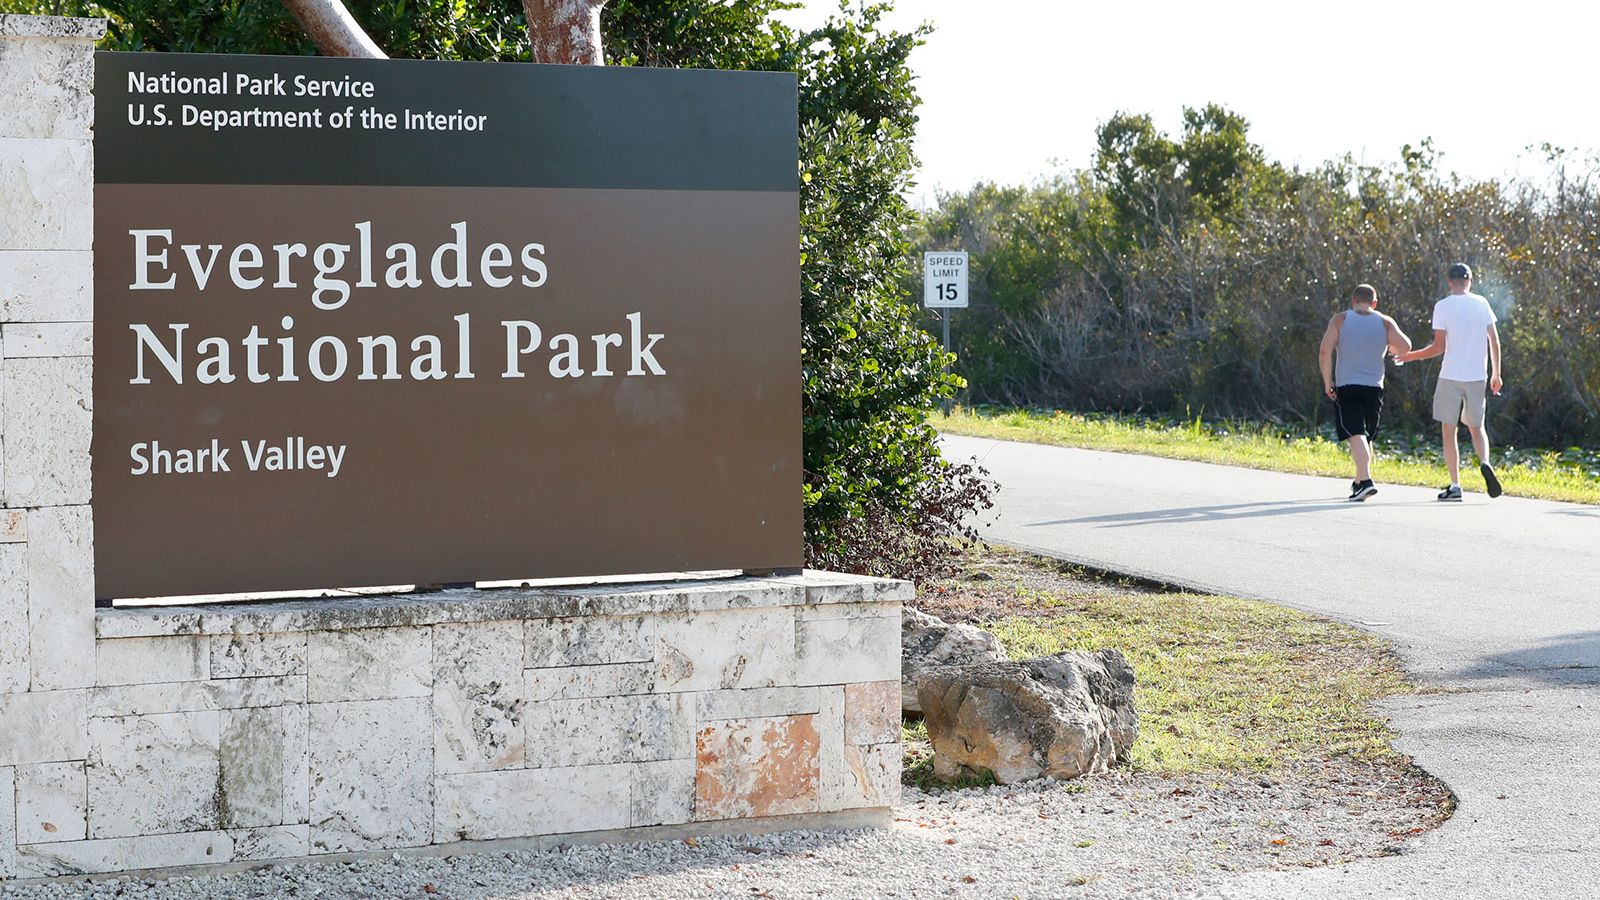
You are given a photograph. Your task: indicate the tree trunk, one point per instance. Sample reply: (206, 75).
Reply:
(565, 31)
(331, 27)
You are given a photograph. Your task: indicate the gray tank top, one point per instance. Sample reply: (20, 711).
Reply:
(1359, 359)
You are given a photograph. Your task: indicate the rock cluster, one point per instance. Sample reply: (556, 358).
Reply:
(929, 642)
(1061, 716)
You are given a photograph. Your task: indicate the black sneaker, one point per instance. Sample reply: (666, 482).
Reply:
(1490, 479)
(1361, 490)
(1451, 494)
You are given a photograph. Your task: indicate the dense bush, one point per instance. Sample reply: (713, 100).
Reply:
(1192, 275)
(878, 496)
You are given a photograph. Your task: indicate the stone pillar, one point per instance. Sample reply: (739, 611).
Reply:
(47, 620)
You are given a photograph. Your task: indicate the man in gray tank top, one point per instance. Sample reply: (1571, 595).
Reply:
(1360, 337)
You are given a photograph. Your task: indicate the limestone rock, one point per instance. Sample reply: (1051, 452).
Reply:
(928, 642)
(1062, 715)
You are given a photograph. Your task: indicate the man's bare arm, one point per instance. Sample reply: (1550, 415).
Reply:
(1330, 339)
(1399, 342)
(1435, 348)
(1495, 382)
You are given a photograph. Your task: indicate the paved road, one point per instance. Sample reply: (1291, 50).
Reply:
(1497, 600)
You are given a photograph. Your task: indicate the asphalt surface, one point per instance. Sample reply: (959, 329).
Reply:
(1497, 601)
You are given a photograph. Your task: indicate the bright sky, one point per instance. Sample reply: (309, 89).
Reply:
(1015, 88)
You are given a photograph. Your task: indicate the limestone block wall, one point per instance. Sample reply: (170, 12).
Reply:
(178, 736)
(309, 728)
(47, 643)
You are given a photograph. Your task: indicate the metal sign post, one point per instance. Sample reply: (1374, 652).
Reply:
(944, 287)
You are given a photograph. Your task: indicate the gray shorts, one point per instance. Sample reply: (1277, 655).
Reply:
(1459, 401)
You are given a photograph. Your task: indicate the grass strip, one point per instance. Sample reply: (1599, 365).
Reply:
(1224, 684)
(1543, 475)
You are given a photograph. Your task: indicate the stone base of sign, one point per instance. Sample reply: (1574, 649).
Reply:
(283, 730)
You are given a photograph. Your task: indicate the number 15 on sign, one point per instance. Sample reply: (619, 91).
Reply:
(944, 280)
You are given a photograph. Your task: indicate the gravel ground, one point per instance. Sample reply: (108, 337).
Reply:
(1111, 836)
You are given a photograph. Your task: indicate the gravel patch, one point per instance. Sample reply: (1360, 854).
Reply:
(1116, 835)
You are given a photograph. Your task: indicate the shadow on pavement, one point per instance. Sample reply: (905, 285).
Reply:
(1568, 659)
(1224, 513)
(1591, 513)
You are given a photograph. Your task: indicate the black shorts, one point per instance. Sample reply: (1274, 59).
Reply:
(1356, 409)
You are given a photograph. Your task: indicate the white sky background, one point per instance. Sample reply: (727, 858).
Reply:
(1013, 89)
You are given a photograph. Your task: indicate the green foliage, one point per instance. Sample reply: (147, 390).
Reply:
(700, 34)
(878, 495)
(426, 29)
(1190, 272)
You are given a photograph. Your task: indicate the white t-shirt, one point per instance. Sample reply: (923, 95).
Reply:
(1465, 320)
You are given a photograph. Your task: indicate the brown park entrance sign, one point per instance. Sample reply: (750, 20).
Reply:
(379, 322)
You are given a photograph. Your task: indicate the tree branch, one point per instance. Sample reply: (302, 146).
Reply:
(565, 31)
(335, 32)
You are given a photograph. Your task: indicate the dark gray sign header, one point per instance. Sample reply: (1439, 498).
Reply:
(221, 119)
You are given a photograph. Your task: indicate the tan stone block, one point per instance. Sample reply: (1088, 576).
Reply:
(194, 696)
(152, 660)
(49, 86)
(601, 730)
(847, 650)
(887, 610)
(746, 648)
(590, 640)
(61, 596)
(43, 726)
(832, 774)
(754, 703)
(663, 792)
(296, 765)
(46, 194)
(370, 664)
(756, 767)
(257, 655)
(8, 823)
(525, 802)
(14, 667)
(276, 842)
(590, 681)
(252, 761)
(51, 803)
(32, 340)
(48, 421)
(156, 851)
(46, 285)
(13, 526)
(153, 774)
(478, 697)
(872, 712)
(839, 587)
(874, 776)
(371, 771)
(64, 27)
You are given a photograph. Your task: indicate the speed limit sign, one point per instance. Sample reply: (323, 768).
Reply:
(944, 280)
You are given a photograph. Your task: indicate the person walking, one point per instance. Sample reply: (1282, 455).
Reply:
(1351, 359)
(1464, 334)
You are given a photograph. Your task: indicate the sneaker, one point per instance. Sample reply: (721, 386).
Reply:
(1451, 493)
(1361, 490)
(1490, 479)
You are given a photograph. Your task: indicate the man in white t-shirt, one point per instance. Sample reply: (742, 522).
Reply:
(1464, 333)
